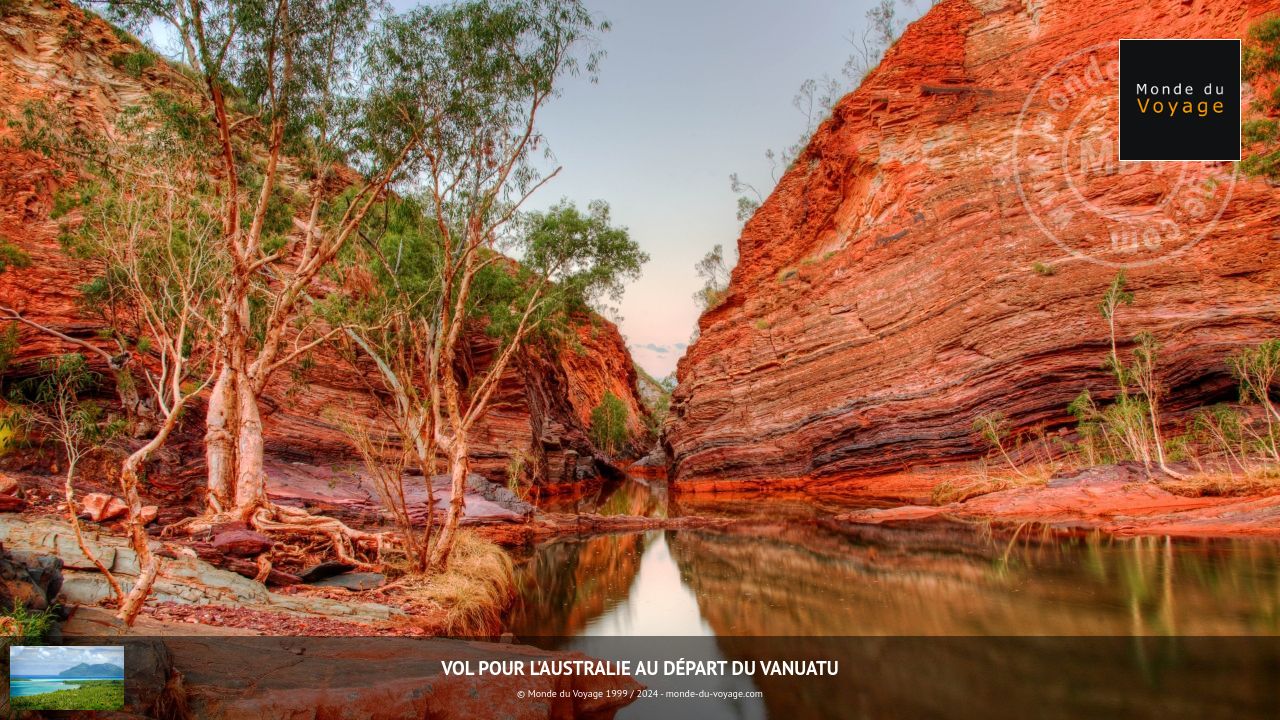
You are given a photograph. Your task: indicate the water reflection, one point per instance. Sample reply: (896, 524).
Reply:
(788, 582)
(627, 496)
(791, 575)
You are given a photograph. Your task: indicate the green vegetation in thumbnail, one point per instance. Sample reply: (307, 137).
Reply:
(87, 695)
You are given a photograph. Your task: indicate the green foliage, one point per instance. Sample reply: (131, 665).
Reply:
(8, 346)
(64, 374)
(714, 272)
(1262, 57)
(1220, 428)
(1257, 369)
(25, 626)
(12, 256)
(1115, 296)
(1044, 269)
(609, 424)
(184, 121)
(87, 695)
(584, 256)
(55, 398)
(993, 427)
(134, 63)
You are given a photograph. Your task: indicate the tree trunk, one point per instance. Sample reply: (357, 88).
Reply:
(459, 468)
(251, 485)
(148, 563)
(220, 442)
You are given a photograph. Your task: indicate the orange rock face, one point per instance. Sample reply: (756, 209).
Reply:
(939, 250)
(52, 52)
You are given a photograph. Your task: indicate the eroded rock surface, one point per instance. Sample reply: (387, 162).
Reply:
(183, 577)
(895, 285)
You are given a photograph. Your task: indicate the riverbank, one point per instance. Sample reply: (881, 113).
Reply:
(1117, 499)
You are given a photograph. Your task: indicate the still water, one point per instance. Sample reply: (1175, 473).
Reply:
(1050, 610)
(789, 574)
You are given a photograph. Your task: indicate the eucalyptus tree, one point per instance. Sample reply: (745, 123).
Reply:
(569, 260)
(144, 227)
(477, 76)
(442, 100)
(152, 238)
(283, 84)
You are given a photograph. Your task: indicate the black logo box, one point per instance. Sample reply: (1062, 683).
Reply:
(1188, 65)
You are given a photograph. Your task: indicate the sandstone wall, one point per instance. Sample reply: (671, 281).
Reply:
(896, 284)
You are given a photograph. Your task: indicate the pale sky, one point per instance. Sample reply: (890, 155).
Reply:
(688, 93)
(53, 659)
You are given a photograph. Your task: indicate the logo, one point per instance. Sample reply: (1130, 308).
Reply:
(1078, 192)
(1180, 100)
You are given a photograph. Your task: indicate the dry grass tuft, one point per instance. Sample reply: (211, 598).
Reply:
(984, 482)
(1259, 480)
(472, 594)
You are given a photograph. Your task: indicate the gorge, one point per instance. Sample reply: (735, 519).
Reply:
(980, 406)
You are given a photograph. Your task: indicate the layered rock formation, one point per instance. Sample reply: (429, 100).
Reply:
(939, 249)
(55, 53)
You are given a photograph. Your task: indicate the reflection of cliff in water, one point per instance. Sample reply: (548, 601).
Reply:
(568, 583)
(953, 580)
(811, 584)
(624, 496)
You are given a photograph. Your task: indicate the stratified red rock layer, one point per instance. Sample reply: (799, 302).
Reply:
(53, 52)
(895, 286)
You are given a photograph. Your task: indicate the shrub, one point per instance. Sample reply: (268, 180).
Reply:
(22, 624)
(1044, 269)
(1258, 369)
(994, 429)
(609, 424)
(133, 64)
(12, 256)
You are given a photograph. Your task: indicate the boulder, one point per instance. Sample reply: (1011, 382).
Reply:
(11, 503)
(149, 514)
(29, 579)
(8, 485)
(499, 495)
(101, 507)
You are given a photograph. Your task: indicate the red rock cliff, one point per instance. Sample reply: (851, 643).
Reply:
(54, 53)
(924, 261)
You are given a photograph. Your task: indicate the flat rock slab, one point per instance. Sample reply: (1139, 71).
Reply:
(312, 484)
(354, 581)
(182, 579)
